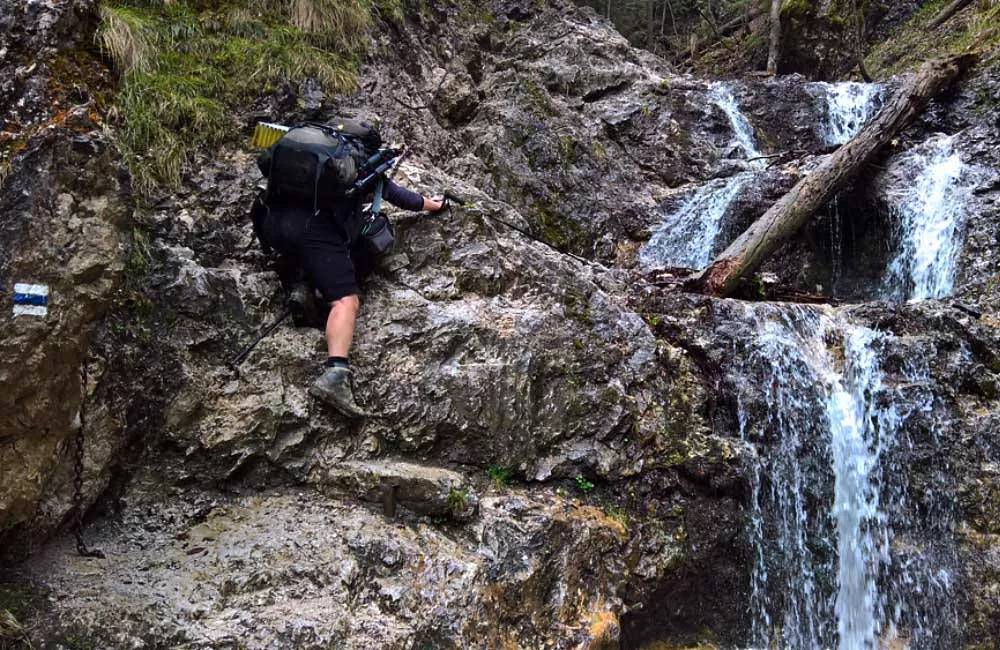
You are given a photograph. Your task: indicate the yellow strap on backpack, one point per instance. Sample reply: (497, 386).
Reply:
(265, 134)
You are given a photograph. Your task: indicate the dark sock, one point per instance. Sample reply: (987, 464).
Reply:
(333, 362)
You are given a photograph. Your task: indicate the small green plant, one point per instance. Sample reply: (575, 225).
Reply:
(582, 484)
(500, 475)
(618, 514)
(458, 499)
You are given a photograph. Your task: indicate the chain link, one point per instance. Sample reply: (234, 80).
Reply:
(81, 547)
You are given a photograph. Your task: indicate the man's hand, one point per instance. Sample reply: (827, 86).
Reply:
(433, 205)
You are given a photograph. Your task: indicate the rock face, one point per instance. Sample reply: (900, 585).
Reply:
(560, 439)
(64, 226)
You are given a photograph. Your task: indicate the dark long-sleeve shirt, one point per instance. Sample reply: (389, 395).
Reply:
(402, 198)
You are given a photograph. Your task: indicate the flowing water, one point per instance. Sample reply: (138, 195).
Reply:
(843, 557)
(927, 200)
(829, 494)
(849, 105)
(688, 237)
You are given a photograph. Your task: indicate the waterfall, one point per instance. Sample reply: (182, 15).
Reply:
(722, 96)
(829, 495)
(927, 196)
(848, 106)
(687, 237)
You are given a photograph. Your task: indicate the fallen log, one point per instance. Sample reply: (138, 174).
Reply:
(948, 12)
(794, 209)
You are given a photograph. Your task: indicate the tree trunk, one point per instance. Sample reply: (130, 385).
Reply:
(811, 193)
(774, 51)
(948, 12)
(859, 40)
(651, 25)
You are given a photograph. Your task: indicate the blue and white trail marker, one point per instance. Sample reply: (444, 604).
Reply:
(31, 299)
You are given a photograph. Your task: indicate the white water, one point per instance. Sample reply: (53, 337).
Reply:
(849, 106)
(928, 204)
(722, 96)
(813, 400)
(687, 237)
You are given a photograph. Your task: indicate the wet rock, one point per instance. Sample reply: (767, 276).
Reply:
(429, 491)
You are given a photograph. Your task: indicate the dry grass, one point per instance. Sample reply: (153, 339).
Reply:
(184, 67)
(124, 37)
(345, 22)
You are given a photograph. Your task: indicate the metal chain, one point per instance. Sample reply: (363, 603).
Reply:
(81, 547)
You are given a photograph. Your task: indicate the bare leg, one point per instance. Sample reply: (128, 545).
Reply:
(340, 325)
(334, 385)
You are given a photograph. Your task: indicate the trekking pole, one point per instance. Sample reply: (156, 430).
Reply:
(241, 357)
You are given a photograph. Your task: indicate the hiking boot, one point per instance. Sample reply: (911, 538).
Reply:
(334, 388)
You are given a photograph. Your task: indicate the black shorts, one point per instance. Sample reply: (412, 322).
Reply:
(318, 242)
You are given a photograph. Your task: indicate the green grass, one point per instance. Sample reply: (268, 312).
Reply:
(500, 475)
(914, 43)
(185, 66)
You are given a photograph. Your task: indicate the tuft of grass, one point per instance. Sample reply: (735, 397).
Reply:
(618, 515)
(124, 37)
(500, 475)
(458, 499)
(184, 67)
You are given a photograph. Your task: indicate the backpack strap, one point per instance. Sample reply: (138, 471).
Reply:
(377, 201)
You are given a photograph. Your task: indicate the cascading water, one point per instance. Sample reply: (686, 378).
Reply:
(687, 237)
(829, 495)
(848, 105)
(842, 555)
(722, 96)
(928, 205)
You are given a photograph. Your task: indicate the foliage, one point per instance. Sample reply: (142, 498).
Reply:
(500, 475)
(915, 44)
(458, 499)
(667, 26)
(185, 65)
(583, 484)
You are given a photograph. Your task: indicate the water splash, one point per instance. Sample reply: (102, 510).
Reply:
(849, 106)
(928, 201)
(687, 237)
(722, 96)
(829, 493)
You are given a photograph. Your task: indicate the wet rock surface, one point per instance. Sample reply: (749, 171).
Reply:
(65, 230)
(563, 437)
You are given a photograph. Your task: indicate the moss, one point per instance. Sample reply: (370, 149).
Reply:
(579, 310)
(539, 97)
(561, 232)
(568, 150)
(914, 43)
(796, 7)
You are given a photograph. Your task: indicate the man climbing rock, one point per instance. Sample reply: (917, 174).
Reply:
(319, 228)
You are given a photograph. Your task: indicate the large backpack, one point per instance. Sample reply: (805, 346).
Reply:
(317, 164)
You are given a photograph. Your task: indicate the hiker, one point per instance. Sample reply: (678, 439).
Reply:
(320, 233)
